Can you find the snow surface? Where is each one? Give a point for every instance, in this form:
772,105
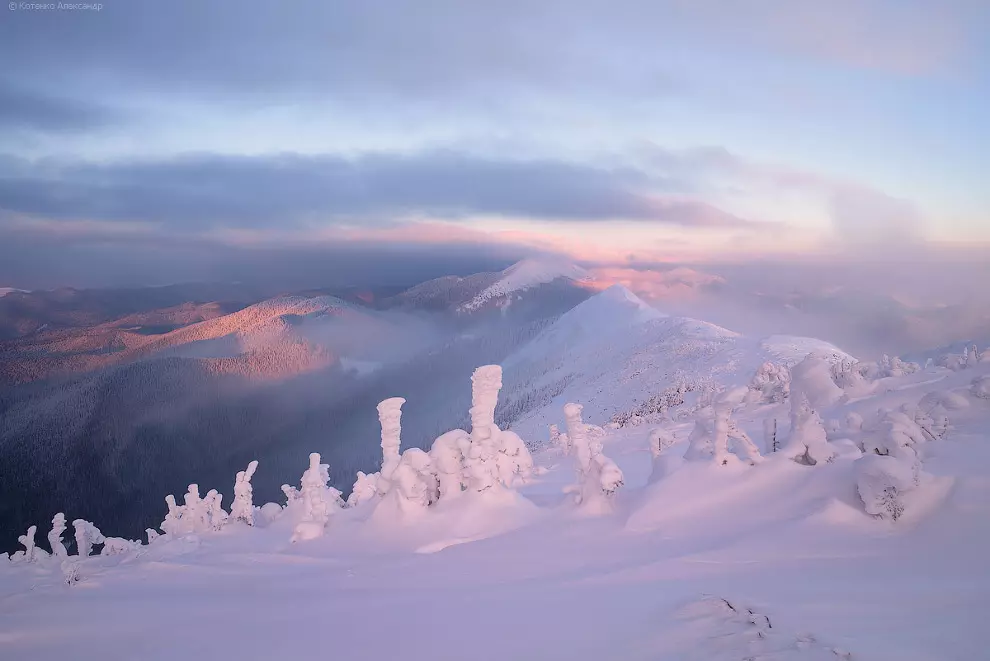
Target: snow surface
527,274
777,561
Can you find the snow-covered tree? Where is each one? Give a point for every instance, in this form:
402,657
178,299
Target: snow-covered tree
172,525
31,552
894,366
882,482
559,440
216,516
55,536
724,428
390,417
812,389
195,514
897,435
424,469
86,536
972,356
481,460
365,488
598,477
771,384
514,461
319,500
292,493
701,441
447,454
242,508
152,534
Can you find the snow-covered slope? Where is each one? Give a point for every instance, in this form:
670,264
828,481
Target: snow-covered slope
774,561
614,350
525,275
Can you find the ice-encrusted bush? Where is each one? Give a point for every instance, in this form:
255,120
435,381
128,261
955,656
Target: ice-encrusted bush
882,482
598,477
242,509
119,546
770,384
365,488
195,515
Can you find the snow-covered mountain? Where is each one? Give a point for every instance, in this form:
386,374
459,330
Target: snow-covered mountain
546,280
613,350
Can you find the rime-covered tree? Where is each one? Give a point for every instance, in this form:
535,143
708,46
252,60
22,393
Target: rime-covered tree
481,460
598,477
319,500
448,456
242,508
86,536
882,482
390,418
55,536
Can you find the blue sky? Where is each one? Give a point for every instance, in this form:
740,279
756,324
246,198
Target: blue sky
669,131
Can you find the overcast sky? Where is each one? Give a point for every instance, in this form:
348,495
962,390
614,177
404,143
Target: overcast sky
155,141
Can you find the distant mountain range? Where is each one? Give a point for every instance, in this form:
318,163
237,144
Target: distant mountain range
111,398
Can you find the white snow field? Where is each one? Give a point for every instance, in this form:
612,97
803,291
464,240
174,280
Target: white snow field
708,557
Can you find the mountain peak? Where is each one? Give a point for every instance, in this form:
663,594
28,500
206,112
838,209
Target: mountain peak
526,274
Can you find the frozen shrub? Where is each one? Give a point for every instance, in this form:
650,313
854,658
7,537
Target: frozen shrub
365,488
447,454
86,536
771,384
119,546
850,375
70,571
242,508
882,482
559,440
894,366
55,536
598,476
897,435
292,493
